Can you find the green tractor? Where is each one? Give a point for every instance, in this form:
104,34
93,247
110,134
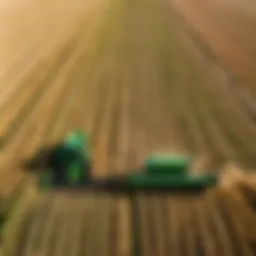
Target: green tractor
68,164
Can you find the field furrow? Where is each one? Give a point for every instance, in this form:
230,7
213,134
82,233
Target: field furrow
131,75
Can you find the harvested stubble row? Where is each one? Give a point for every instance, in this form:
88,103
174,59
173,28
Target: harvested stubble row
148,38
43,119
28,48
231,40
192,225
131,89
227,131
64,223
220,111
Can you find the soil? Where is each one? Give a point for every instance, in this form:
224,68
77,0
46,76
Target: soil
130,75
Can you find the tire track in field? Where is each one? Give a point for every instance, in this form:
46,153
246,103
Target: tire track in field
237,128
19,107
12,122
98,221
151,210
62,102
180,77
134,123
99,110
70,114
239,133
34,128
119,151
191,225
232,223
141,107
152,236
8,92
217,141
97,242
231,120
11,155
203,125
103,138
116,239
158,132
52,91
220,31
51,219
122,89
44,243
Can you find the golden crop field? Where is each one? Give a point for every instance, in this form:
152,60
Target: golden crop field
139,76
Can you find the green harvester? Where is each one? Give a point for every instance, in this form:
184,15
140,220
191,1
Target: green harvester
68,164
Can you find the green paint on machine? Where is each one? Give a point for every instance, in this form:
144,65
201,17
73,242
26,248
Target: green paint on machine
70,165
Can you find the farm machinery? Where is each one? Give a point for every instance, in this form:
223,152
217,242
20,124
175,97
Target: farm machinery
68,165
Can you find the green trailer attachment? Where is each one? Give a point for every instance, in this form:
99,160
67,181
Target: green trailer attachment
182,182
167,165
